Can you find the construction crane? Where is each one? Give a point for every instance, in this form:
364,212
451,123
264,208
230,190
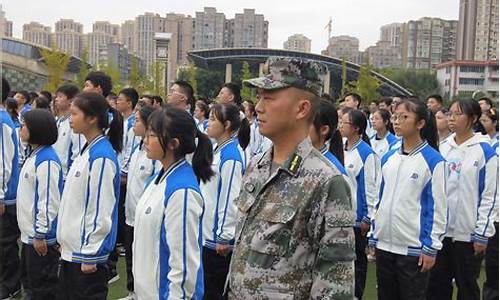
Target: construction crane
329,27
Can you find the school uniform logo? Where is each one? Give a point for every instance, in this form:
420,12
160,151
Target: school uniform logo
414,176
148,210
26,175
142,168
476,163
77,174
350,166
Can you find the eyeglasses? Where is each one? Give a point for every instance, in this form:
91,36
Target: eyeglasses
399,118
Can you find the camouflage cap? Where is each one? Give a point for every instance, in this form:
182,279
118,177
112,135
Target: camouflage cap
282,72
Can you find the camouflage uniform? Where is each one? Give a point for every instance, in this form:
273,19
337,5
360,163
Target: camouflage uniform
294,237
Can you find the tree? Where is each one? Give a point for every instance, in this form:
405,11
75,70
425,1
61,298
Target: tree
134,79
366,84
57,64
345,84
208,82
246,92
83,69
158,78
420,83
112,71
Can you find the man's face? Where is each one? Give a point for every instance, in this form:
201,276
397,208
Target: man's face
225,96
176,97
122,104
62,102
20,99
484,105
433,105
88,86
351,102
278,111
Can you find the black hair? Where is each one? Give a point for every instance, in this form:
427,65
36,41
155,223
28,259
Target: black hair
131,95
145,112
235,90
358,120
472,110
386,117
98,78
11,108
355,96
327,115
203,106
42,102
251,106
492,114
26,96
429,131
437,97
174,123
41,126
95,105
488,100
69,90
224,112
47,95
5,89
157,99
188,91
386,100
33,95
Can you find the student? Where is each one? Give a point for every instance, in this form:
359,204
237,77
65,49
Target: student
410,216
258,143
383,137
68,144
442,125
352,100
181,95
141,168
38,196
10,284
201,112
125,104
485,103
470,194
489,120
362,168
157,102
88,210
229,93
167,262
23,102
232,136
435,103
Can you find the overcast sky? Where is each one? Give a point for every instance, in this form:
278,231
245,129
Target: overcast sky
359,18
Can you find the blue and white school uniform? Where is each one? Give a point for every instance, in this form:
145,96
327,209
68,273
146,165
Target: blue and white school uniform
88,215
258,143
167,262
129,142
219,220
202,125
38,196
381,145
26,108
471,188
68,144
362,166
141,168
9,158
410,217
335,162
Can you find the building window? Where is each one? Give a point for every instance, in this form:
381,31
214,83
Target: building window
472,69
471,81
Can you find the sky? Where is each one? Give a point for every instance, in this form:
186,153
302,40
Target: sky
358,18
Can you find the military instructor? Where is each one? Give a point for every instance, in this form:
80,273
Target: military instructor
294,236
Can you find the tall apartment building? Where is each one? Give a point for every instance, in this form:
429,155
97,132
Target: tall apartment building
5,25
343,47
103,33
392,33
37,33
477,37
69,36
127,35
210,29
248,30
145,27
298,42
384,55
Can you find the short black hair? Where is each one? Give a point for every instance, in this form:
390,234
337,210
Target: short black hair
488,100
131,95
187,90
46,94
437,97
25,94
5,89
42,102
386,100
235,90
69,90
42,126
101,79
356,96
33,95
157,99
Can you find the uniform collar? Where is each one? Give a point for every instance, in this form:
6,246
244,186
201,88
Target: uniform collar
295,160
415,150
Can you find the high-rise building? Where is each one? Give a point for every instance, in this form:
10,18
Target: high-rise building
384,55
5,25
428,42
298,42
392,33
145,27
210,29
37,33
103,33
343,47
248,30
119,56
127,35
477,37
69,36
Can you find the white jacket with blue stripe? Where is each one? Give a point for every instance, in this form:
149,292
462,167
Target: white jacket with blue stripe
68,144
167,262
381,145
410,217
9,158
88,214
39,195
363,168
219,221
471,188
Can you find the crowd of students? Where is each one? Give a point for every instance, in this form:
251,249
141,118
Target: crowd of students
88,170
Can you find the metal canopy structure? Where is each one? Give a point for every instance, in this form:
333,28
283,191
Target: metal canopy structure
217,58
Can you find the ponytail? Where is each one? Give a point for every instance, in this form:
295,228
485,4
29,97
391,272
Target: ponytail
230,112
115,129
429,132
336,146
327,115
202,157
244,133
358,119
472,110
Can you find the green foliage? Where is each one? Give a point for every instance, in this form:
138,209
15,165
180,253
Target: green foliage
345,85
365,85
208,82
56,63
420,83
84,69
157,82
112,71
246,92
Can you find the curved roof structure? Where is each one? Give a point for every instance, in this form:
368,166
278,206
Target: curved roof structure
217,57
